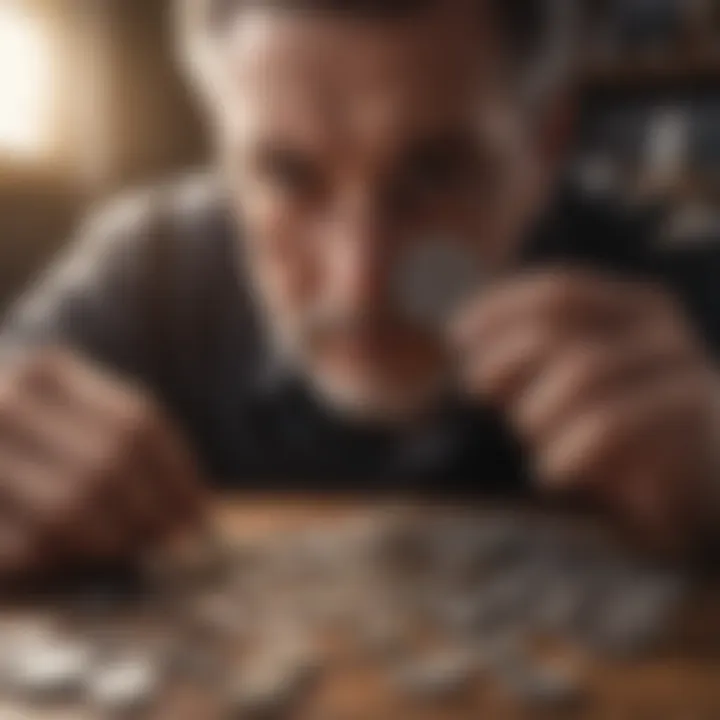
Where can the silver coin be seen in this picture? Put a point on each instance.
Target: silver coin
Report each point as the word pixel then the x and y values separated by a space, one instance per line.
pixel 542 687
pixel 633 621
pixel 268 686
pixel 47 668
pixel 436 675
pixel 220 612
pixel 124 685
pixel 434 276
pixel 385 633
pixel 561 606
pixel 502 601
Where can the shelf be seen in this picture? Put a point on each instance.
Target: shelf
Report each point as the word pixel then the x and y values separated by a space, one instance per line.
pixel 651 73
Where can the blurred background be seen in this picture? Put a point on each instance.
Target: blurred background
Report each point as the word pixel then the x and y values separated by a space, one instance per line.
pixel 91 102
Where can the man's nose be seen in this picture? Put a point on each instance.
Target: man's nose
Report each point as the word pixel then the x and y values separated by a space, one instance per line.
pixel 361 258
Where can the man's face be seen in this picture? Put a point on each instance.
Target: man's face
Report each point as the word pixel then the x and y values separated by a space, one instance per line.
pixel 348 142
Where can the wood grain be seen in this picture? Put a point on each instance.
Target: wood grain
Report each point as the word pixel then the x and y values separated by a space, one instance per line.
pixel 681 681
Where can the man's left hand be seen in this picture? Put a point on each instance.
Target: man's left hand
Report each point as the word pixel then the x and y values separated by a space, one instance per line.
pixel 610 389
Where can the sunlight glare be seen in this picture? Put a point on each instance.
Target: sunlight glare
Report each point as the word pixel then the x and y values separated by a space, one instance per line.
pixel 25 83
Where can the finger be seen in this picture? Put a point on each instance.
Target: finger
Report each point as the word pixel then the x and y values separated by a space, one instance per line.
pixel 99 400
pixel 178 471
pixel 99 529
pixel 159 484
pixel 131 412
pixel 639 496
pixel 151 513
pixel 581 449
pixel 23 505
pixel 658 512
pixel 30 497
pixel 60 379
pixel 587 372
pixel 40 416
pixel 47 456
pixel 499 371
pixel 34 426
pixel 117 512
pixel 156 482
pixel 147 500
pixel 93 432
pixel 575 298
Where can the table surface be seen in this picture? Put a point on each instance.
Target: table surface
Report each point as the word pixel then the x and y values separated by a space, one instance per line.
pixel 681 681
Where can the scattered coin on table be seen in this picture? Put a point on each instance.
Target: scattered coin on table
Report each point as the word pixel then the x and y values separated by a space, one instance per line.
pixel 437 675
pixel 267 685
pixel 124 686
pixel 250 621
pixel 49 669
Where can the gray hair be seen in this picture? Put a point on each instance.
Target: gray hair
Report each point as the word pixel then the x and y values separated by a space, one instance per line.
pixel 540 36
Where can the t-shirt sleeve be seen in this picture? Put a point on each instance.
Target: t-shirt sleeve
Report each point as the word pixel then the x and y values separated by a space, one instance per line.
pixel 95 297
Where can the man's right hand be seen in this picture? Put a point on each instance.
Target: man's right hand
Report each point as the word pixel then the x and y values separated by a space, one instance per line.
pixel 90 469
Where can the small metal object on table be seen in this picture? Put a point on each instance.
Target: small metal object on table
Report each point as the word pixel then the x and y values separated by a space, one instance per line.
pixel 494 677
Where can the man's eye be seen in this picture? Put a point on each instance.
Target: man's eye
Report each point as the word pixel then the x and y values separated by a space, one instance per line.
pixel 291 173
pixel 440 173
pixel 443 174
pixel 430 179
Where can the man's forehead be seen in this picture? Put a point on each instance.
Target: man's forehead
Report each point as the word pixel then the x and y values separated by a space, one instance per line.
pixel 300 68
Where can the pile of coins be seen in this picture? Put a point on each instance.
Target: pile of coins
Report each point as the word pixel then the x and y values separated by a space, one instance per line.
pixel 433 600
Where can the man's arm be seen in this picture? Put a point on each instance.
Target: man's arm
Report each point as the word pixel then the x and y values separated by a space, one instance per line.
pixel 91 469
pixel 612 390
pixel 94 299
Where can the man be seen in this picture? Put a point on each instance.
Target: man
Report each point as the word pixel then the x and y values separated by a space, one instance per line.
pixel 258 309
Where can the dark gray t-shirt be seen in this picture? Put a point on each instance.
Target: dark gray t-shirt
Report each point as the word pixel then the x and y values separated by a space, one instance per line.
pixel 155 289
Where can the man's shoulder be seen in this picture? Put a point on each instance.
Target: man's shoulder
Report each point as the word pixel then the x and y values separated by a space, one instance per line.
pixel 181 236
pixel 184 205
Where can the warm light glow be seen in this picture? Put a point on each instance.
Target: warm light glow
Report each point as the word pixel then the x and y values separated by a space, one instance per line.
pixel 25 83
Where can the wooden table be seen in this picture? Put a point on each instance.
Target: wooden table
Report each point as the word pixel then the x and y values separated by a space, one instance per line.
pixel 680 682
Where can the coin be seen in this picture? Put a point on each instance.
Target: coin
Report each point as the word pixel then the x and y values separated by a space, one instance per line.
pixel 434 276
pixel 124 685
pixel 49 668
pixel 268 685
pixel 436 675
pixel 541 686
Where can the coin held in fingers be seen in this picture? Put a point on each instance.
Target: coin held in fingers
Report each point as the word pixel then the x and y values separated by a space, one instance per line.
pixel 434 277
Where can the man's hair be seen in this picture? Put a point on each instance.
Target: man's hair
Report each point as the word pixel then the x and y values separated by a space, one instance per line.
pixel 536 35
